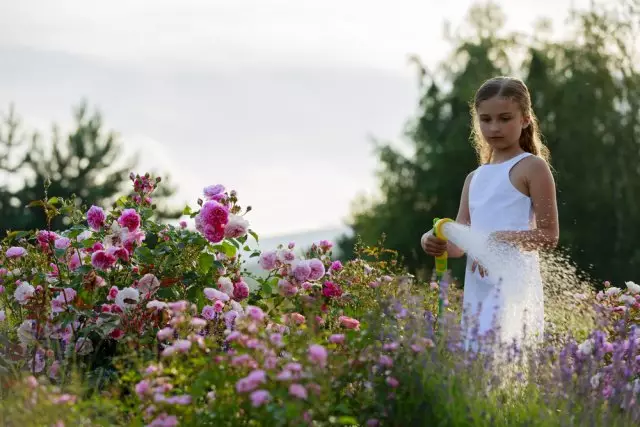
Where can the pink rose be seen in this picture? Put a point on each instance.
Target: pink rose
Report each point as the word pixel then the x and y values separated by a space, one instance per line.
pixel 298 390
pixel 16 252
pixel 318 355
pixel 240 290
pixel 208 312
pixel 268 260
pixel 129 219
pixel 317 269
pixel 96 217
pixel 102 260
pixel 259 398
pixel 349 322
pixel 302 271
pixel 236 227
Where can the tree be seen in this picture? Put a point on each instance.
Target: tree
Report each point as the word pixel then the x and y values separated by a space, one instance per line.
pixel 585 91
pixel 86 164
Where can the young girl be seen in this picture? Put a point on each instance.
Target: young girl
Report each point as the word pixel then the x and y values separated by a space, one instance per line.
pixel 511 196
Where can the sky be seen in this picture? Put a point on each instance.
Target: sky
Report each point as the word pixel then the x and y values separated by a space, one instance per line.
pixel 277 99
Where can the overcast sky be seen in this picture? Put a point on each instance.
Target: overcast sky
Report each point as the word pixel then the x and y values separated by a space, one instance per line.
pixel 277 99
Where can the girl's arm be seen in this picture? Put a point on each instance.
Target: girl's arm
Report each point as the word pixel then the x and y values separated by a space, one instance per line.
pixel 542 190
pixel 463 217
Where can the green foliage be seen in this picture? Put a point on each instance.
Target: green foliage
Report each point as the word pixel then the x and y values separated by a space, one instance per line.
pixel 84 166
pixel 586 93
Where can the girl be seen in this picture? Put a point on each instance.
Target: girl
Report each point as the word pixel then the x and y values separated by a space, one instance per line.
pixel 511 196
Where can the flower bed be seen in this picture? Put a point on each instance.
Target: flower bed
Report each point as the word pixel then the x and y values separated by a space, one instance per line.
pixel 121 320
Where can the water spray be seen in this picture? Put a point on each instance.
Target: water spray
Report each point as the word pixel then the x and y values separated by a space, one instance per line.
pixel 442 260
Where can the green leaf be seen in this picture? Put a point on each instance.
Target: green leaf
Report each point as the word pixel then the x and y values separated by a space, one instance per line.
pixel 347 420
pixel 144 254
pixel 267 289
pixel 60 252
pixel 227 248
pixel 254 235
pixel 205 262
pixel 87 243
pixel 53 200
pixel 187 210
pixel 254 254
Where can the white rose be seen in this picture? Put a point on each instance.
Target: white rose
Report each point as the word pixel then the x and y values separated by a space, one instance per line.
pixel 633 287
pixel 612 291
pixel 23 292
pixel 127 298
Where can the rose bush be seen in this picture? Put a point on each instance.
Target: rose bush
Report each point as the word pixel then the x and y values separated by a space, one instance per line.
pixel 122 320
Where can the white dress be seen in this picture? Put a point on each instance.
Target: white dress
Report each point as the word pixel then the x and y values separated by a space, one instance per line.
pixel 510 298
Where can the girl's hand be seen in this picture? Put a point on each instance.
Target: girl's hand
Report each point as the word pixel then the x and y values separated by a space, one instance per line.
pixel 476 266
pixel 432 245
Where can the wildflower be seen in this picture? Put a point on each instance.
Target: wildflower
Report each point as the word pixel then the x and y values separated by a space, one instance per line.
pixel 297 390
pixel 164 420
pixel 183 224
pixel 392 382
pixel 165 333
pixel 318 355
pixel 255 313
pixel 16 252
pixel 251 381
pixel 337 339
pixel 325 245
pixel 142 388
pixel 259 398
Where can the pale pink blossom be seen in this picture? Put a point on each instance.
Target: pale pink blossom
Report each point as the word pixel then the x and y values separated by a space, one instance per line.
pixel 349 322
pixel 16 252
pixel 214 294
pixel 225 285
pixel 208 312
pixel 62 243
pixel 23 293
pixel 302 270
pixel 255 313
pixel 337 339
pixel 268 260
pixel 148 284
pixel 298 390
pixel 236 227
pixel 317 269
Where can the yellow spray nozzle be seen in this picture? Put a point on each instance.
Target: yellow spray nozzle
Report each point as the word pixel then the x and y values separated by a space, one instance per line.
pixel 438 223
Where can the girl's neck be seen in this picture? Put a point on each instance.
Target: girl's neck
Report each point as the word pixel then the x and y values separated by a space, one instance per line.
pixel 503 155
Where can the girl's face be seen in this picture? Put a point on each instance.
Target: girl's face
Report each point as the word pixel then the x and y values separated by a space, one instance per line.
pixel 501 122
